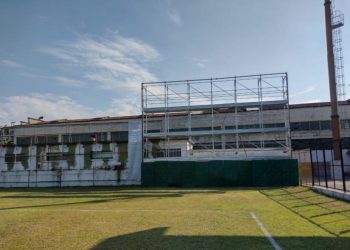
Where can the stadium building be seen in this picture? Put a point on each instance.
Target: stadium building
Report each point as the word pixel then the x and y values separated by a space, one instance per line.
pixel 110 150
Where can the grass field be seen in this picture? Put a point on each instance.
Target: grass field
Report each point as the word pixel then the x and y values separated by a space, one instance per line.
pixel 136 218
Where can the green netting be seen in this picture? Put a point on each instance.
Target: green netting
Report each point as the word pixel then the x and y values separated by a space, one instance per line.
pixel 161 174
pixel 291 173
pixel 237 173
pixel 188 173
pixel 220 173
pixel 216 173
pixel 273 173
pixel 201 174
pixel 147 174
pixel 174 174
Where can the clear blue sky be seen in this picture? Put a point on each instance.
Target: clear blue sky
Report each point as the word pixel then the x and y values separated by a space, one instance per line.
pixel 86 58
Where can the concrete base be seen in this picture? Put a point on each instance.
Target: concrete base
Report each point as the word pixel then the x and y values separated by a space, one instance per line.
pixel 332 193
pixel 64 178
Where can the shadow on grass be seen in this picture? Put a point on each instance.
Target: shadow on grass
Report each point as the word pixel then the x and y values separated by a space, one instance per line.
pixel 56 204
pixel 53 193
pixel 156 238
pixel 96 196
pixel 111 196
pixel 323 212
pixel 99 190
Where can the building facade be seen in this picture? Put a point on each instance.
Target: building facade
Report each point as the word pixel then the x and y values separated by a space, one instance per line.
pixel 108 150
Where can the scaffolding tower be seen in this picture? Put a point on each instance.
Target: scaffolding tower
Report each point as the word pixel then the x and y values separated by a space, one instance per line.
pixel 215 118
pixel 337 23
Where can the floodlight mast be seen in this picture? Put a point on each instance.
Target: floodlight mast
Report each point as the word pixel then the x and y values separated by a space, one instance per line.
pixel 332 80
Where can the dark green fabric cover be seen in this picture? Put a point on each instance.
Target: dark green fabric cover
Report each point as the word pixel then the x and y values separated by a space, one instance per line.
pixel 220 173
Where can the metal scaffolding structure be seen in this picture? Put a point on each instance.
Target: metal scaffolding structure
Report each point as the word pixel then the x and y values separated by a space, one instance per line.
pixel 230 117
pixel 337 18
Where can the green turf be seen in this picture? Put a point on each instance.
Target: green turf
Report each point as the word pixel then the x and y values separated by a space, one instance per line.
pixel 139 218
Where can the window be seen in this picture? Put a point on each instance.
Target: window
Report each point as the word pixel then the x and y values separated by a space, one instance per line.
pixel 248 126
pixel 174 152
pixel 295 126
pixel 120 136
pixel 153 131
pixel 84 138
pixel 315 125
pixel 325 125
pixel 178 129
pixel 230 127
pixel 206 146
pixel 345 124
pixel 205 128
pixel 311 125
pixel 43 140
pixel 24 141
pixel 52 139
pixel 274 125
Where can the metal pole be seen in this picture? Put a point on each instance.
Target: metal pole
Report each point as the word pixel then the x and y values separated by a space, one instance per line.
pixel 312 167
pixel 142 125
pixel 236 114
pixel 168 121
pixel 289 136
pixel 325 166
pixel 189 110
pixel 212 115
pixel 165 119
pixel 260 113
pixel 332 164
pixel 318 168
pixel 342 168
pixel 332 80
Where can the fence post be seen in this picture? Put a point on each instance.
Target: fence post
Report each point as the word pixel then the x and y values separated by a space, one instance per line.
pixel 342 167
pixel 325 166
pixel 312 168
pixel 318 168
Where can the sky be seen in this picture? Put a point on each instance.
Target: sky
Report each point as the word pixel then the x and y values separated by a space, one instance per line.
pixel 87 58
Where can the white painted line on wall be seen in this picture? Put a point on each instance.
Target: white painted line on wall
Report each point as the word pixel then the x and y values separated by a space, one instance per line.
pixel 267 234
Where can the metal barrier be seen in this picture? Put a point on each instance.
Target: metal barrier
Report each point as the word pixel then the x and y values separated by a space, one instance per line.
pixel 321 169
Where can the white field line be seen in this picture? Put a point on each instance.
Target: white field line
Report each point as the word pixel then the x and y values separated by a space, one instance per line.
pixel 267 234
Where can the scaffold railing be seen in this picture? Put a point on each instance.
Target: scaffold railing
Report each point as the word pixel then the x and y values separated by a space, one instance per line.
pixel 221 111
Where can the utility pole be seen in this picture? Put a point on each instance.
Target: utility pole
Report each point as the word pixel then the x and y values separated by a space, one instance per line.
pixel 332 80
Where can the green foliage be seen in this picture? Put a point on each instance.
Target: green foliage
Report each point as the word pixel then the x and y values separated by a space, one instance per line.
pixel 9 157
pixel 123 152
pixel 105 147
pixel 25 157
pixel 40 155
pixel 87 155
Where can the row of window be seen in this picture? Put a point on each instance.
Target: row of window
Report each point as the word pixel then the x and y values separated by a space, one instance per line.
pixel 38 140
pixel 120 136
pixel 317 125
pixel 294 126
pixel 84 138
pixel 245 126
pixel 241 144
pixel 171 152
